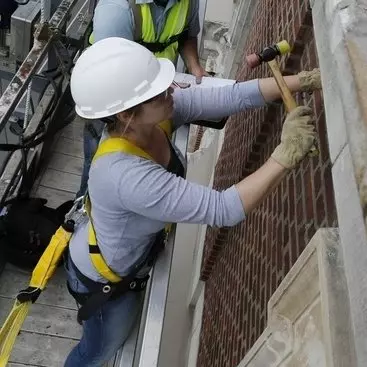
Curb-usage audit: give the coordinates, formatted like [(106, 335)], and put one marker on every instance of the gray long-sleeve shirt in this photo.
[(133, 198)]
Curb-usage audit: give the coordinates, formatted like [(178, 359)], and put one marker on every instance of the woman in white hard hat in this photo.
[(136, 182)]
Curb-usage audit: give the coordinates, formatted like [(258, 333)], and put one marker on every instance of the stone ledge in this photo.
[(341, 38), (308, 315)]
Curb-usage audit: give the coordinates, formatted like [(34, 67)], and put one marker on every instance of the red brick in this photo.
[(309, 199), (322, 137), (317, 181), (320, 209), (291, 197)]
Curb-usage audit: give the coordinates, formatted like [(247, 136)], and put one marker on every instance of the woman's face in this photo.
[(156, 109)]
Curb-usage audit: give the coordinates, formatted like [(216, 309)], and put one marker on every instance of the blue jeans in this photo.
[(106, 331), (93, 130)]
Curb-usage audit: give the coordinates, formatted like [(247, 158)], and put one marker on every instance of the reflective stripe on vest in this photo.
[(110, 146), (174, 26)]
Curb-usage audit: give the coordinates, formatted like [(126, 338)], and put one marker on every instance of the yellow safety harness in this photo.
[(50, 259), (165, 44), (109, 146)]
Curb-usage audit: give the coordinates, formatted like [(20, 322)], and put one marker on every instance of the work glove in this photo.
[(298, 137), (310, 80)]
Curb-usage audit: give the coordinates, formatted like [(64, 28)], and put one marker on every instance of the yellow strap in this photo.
[(49, 260), (10, 330), (103, 269), (114, 145), (167, 127), (43, 271), (97, 259)]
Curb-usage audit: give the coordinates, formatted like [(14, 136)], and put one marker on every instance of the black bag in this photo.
[(7, 8), (26, 230)]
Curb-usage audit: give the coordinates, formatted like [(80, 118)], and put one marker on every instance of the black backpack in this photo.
[(26, 230)]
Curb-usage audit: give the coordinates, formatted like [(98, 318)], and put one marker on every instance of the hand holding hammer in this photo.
[(269, 54)]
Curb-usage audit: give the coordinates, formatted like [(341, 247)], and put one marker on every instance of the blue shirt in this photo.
[(114, 18), (132, 198)]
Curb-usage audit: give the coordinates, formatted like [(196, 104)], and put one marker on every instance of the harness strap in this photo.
[(100, 293), (110, 146), (157, 47), (117, 285)]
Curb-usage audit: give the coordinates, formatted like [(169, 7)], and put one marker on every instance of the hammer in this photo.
[(268, 54)]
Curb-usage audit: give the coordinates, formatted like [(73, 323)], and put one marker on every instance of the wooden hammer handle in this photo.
[(288, 99)]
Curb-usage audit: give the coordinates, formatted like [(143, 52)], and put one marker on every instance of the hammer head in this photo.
[(268, 54)]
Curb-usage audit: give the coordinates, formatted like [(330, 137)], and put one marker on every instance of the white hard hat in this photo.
[(115, 74)]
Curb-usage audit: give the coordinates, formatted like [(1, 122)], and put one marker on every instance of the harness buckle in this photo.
[(106, 289), (77, 211), (30, 294)]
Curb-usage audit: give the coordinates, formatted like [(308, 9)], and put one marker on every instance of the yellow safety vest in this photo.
[(173, 28), (108, 146)]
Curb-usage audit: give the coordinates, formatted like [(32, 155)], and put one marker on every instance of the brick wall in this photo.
[(242, 266)]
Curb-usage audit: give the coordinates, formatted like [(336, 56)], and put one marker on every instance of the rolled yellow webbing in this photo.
[(10, 330), (43, 271), (49, 260)]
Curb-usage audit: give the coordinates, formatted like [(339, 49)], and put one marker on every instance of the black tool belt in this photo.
[(100, 293), (159, 47)]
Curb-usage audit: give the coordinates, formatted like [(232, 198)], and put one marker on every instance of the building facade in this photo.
[(242, 268)]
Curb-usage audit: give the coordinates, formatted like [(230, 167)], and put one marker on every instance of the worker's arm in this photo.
[(195, 104), (189, 48), (298, 136), (305, 81), (149, 190), (189, 52), (255, 187), (113, 19)]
